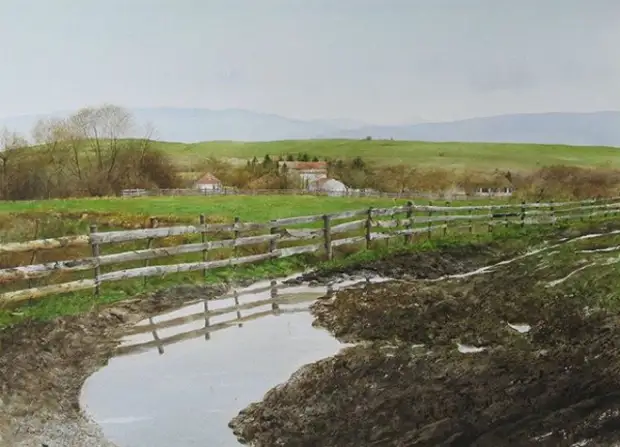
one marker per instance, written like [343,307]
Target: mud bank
[543,367]
[44,364]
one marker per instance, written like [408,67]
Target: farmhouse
[309,171]
[208,182]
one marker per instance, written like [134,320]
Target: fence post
[273,243]
[236,236]
[409,225]
[236,297]
[552,212]
[445,222]
[490,223]
[273,293]
[430,224]
[471,221]
[34,252]
[328,236]
[160,347]
[149,245]
[203,240]
[207,322]
[522,213]
[369,228]
[95,251]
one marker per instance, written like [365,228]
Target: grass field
[247,208]
[446,155]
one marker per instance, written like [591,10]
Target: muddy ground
[44,364]
[554,382]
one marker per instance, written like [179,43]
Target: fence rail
[279,238]
[348,193]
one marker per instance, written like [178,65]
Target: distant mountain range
[193,125]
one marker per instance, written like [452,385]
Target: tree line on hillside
[272,172]
[86,154]
[89,154]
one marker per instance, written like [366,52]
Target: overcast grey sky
[381,61]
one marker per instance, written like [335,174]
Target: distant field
[447,155]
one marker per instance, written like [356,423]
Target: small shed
[208,182]
[331,186]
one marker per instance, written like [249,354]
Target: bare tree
[99,132]
[91,151]
[10,142]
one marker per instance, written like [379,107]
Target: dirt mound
[381,395]
[546,370]
[424,264]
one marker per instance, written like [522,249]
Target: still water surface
[197,369]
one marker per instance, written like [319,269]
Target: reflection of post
[330,290]
[236,294]
[207,323]
[160,347]
[274,294]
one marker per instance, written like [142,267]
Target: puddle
[179,378]
[520,328]
[467,349]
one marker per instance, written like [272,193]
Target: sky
[376,61]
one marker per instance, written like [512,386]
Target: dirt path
[554,382]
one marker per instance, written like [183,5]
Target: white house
[309,171]
[208,182]
[331,186]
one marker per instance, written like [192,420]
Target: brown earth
[556,385]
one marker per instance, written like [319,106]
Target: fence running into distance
[205,246]
[303,192]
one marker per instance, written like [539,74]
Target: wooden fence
[414,195]
[278,238]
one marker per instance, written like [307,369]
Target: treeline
[86,154]
[90,154]
[549,182]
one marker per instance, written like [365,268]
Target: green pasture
[455,155]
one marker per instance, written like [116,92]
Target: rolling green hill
[486,156]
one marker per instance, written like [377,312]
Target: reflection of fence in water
[276,300]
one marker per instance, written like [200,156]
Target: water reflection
[178,378]
[282,299]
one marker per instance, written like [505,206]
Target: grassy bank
[511,239]
[485,156]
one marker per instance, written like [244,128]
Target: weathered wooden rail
[280,238]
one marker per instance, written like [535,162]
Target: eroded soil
[556,382]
